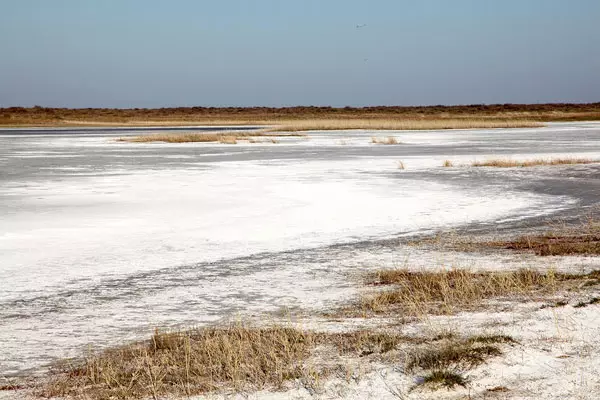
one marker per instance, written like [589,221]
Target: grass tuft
[448,164]
[444,379]
[384,140]
[492,339]
[581,304]
[463,356]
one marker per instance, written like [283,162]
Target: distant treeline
[546,112]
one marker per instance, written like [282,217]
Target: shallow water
[100,241]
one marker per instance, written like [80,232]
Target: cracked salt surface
[102,247]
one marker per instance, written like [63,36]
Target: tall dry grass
[401,124]
[507,163]
[421,293]
[204,360]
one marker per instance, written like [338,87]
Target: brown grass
[447,164]
[444,359]
[452,355]
[550,245]
[401,124]
[189,363]
[205,360]
[420,293]
[444,379]
[561,240]
[504,163]
[227,138]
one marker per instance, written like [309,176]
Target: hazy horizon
[151,54]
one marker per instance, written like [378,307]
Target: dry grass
[189,363]
[401,165]
[448,164]
[559,238]
[231,137]
[401,124]
[452,355]
[205,360]
[445,359]
[505,163]
[562,240]
[444,379]
[421,293]
[384,140]
[557,245]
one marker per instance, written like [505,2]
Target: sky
[157,53]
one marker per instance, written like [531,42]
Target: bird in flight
[360,26]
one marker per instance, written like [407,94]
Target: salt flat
[101,241]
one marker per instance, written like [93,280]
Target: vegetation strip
[209,359]
[226,138]
[504,163]
[477,114]
[580,239]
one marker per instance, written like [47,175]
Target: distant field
[306,118]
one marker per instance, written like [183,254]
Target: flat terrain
[103,240]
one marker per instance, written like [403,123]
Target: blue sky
[150,53]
